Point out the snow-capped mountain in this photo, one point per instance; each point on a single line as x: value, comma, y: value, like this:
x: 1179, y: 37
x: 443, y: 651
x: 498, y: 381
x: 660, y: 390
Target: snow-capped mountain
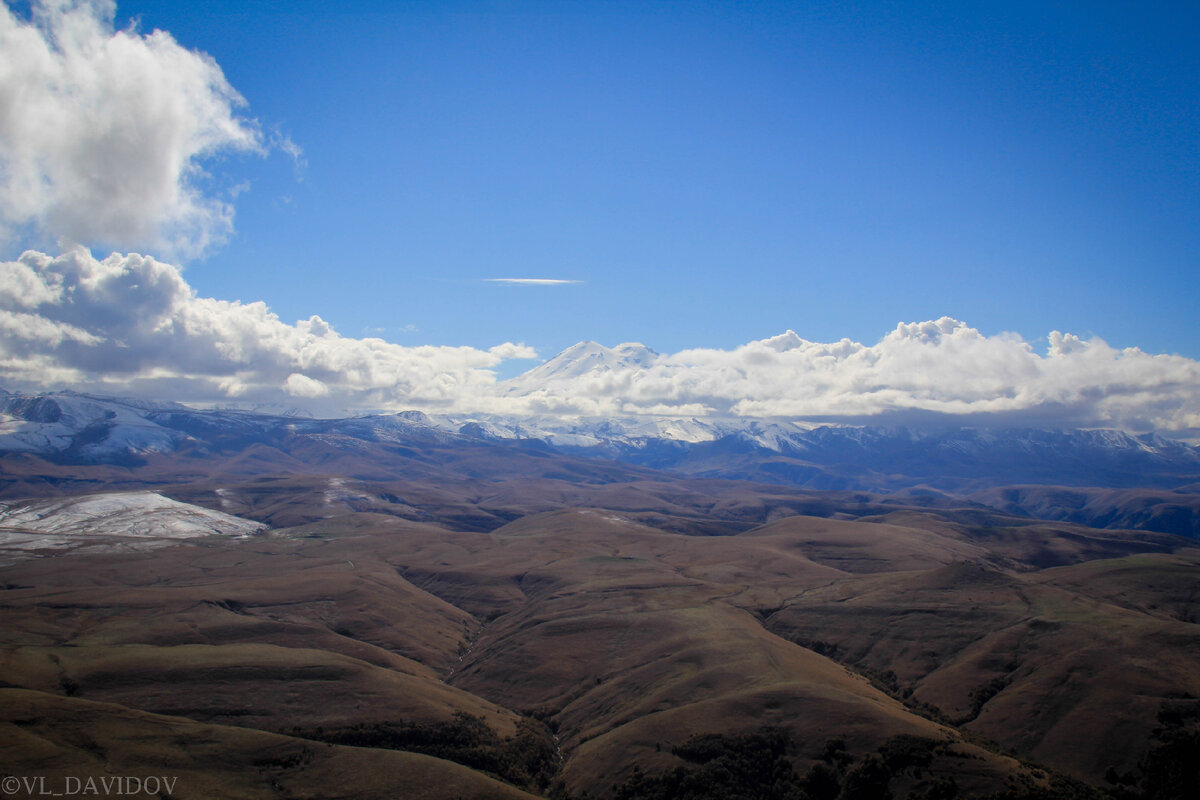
x: 626, y: 433
x: 75, y: 428
x: 585, y: 359
x: 153, y: 439
x: 85, y: 427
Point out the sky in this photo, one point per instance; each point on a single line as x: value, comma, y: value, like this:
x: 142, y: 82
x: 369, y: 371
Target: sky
x: 448, y: 193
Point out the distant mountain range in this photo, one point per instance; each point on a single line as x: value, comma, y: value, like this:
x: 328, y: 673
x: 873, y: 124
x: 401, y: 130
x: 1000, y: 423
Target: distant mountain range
x: 857, y: 457
x: 1115, y: 478
x: 591, y: 607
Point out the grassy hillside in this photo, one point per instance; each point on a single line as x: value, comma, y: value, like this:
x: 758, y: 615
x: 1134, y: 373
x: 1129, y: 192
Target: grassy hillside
x: 590, y: 650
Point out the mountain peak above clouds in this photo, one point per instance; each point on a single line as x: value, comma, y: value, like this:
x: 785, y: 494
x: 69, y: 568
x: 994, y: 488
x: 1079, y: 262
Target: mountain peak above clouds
x: 582, y: 359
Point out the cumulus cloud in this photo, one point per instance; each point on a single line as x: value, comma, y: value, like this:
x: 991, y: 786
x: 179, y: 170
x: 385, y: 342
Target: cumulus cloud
x: 132, y: 324
x: 299, y: 385
x: 103, y: 132
x: 925, y: 371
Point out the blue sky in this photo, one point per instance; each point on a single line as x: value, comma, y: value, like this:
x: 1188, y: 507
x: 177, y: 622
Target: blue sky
x: 967, y: 209
x: 713, y: 173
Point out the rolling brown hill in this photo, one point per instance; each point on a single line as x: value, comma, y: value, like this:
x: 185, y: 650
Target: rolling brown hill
x: 556, y: 633
x: 1176, y: 511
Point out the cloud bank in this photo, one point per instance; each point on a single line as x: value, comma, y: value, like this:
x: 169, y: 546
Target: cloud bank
x: 103, y: 132
x: 132, y: 325
x: 937, y: 371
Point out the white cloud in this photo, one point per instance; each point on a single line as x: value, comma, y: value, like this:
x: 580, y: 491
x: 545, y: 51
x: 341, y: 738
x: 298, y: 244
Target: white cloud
x: 131, y: 324
x: 103, y: 132
x: 531, y: 281
x: 509, y: 350
x: 941, y: 368
x: 299, y: 385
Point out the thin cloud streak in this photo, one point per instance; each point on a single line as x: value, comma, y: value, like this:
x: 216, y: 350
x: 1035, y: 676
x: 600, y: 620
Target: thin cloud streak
x: 531, y: 281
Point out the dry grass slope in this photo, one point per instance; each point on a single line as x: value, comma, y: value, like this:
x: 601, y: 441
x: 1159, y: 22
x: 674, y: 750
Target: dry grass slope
x: 626, y: 625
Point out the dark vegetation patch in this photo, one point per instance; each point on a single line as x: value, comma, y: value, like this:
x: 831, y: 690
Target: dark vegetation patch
x: 528, y: 759
x: 751, y: 766
x: 1170, y: 768
x: 1057, y: 787
x: 758, y: 766
x: 981, y: 695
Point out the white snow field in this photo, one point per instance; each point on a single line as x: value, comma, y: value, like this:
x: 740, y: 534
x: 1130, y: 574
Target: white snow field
x: 109, y: 521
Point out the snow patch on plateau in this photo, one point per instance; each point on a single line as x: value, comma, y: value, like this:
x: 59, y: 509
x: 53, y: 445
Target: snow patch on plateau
x: 109, y: 521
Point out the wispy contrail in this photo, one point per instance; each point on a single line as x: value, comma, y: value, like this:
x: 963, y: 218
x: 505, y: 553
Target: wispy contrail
x: 531, y: 281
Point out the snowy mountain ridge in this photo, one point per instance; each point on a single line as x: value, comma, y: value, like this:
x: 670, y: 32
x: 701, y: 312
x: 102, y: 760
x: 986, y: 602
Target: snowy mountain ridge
x: 84, y: 429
